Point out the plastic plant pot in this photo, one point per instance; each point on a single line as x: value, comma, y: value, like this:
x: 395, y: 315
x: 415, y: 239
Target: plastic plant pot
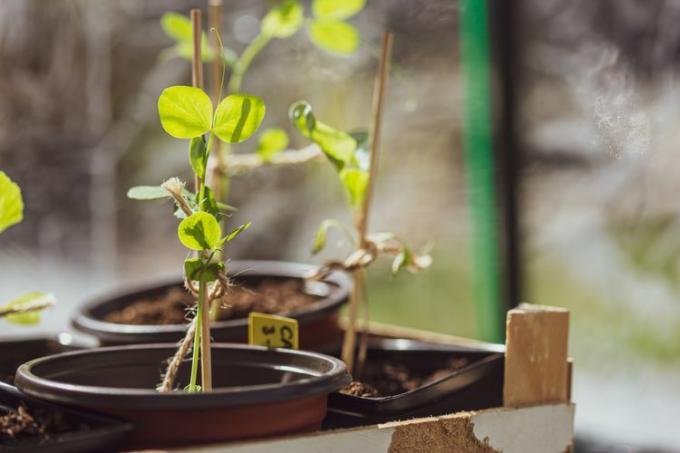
x: 102, y: 434
x: 14, y: 352
x: 476, y: 386
x: 258, y: 392
x: 318, y: 322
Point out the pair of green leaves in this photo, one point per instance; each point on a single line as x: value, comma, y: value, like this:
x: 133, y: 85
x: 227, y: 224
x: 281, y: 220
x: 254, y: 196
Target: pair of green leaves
x: 348, y: 152
x: 187, y: 112
x: 178, y: 27
x: 327, y: 28
x: 11, y: 203
x: 202, y: 232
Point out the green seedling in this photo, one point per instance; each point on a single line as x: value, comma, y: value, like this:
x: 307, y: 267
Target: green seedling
x: 26, y: 308
x: 188, y: 113
x: 356, y: 167
x: 350, y: 156
x: 326, y: 26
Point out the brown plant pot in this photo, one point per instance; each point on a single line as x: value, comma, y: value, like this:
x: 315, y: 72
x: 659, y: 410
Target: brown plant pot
x: 318, y: 322
x: 258, y: 392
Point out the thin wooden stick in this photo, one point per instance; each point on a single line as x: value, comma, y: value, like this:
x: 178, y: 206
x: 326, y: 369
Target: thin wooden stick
x: 196, y: 63
x: 215, y: 21
x: 362, y: 219
x: 197, y: 81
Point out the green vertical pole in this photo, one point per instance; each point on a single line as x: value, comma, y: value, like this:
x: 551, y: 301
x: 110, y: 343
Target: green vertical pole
x: 479, y: 168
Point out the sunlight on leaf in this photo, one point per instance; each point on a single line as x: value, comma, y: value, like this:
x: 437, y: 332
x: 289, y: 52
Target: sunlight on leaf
x: 11, y: 203
x: 185, y: 112
x: 271, y: 142
x: 337, y: 9
x: 200, y: 231
x: 238, y: 116
x: 334, y: 36
x: 284, y: 20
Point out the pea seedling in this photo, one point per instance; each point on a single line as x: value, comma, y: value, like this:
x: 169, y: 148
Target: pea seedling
x: 355, y: 159
x: 327, y: 28
x: 26, y: 308
x: 187, y: 113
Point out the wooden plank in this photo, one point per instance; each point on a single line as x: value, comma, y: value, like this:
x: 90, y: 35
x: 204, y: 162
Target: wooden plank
x: 537, y: 429
x: 536, y: 369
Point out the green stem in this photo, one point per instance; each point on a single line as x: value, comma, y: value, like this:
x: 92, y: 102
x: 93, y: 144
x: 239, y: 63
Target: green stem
x: 242, y: 64
x: 193, y: 386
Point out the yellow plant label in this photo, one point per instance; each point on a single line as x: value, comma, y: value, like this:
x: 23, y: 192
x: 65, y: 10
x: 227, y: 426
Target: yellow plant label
x: 272, y: 331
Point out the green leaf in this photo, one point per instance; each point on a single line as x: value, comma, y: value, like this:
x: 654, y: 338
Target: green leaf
x: 200, y: 231
x: 271, y: 142
x: 337, y: 9
x: 337, y: 145
x: 355, y: 182
x: 196, y: 270
x: 185, y: 112
x: 198, y: 156
x: 26, y: 301
x: 147, y: 193
x: 238, y: 116
x: 177, y: 26
x: 284, y: 20
x: 334, y: 36
x: 403, y: 260
x: 362, y: 153
x: 11, y: 203
x: 321, y: 233
x: 237, y: 231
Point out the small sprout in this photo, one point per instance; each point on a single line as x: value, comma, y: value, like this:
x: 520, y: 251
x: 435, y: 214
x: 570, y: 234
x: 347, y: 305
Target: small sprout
x: 11, y: 203
x: 271, y: 142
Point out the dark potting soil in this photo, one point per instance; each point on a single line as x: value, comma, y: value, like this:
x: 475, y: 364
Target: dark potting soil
x: 269, y: 295
x: 22, y: 425
x: 382, y: 378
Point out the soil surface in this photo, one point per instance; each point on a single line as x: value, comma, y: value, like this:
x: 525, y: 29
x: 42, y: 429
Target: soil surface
x: 21, y: 425
x: 269, y: 295
x: 387, y: 378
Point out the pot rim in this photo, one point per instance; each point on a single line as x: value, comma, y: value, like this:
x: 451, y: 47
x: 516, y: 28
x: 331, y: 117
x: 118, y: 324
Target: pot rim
x: 86, y: 321
x: 90, y: 395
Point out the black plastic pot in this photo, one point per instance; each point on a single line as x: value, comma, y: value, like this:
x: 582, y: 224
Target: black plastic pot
x: 258, y: 392
x: 479, y: 385
x: 103, y: 434
x: 14, y: 352
x: 318, y: 322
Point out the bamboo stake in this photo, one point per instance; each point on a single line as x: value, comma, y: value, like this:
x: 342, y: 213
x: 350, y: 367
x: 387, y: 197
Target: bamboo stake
x: 215, y: 21
x: 197, y: 81
x: 379, y: 90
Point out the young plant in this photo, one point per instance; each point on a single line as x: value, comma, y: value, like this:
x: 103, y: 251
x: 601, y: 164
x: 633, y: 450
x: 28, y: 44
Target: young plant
x: 327, y: 29
x: 187, y: 113
x: 26, y: 308
x: 349, y: 153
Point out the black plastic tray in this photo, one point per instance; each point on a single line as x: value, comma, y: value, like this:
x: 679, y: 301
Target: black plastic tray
x: 474, y: 387
x: 104, y: 434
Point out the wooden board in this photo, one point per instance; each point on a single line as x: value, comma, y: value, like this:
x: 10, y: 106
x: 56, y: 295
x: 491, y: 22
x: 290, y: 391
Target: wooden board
x: 538, y: 429
x: 536, y: 368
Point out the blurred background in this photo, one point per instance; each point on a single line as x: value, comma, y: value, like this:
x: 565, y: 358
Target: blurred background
x: 588, y: 94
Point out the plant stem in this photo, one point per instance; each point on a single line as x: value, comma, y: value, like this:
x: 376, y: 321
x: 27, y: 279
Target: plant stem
x: 196, y: 62
x: 206, y: 358
x: 196, y: 353
x: 242, y: 64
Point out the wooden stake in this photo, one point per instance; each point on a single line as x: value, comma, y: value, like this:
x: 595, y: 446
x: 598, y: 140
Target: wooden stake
x: 215, y: 21
x: 197, y: 81
x: 362, y: 219
x: 536, y: 367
